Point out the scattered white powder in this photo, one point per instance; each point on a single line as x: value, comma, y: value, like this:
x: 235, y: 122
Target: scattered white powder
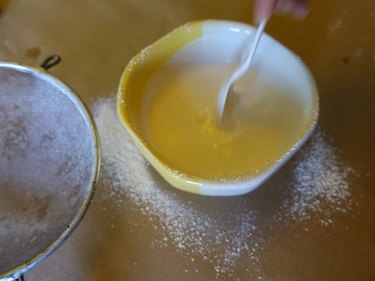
x: 319, y: 186
x: 338, y: 24
x: 359, y: 53
x: 126, y: 172
x: 319, y: 189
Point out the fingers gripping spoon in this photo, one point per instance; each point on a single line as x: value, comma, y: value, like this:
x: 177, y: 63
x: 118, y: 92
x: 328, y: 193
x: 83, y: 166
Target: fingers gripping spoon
x: 243, y: 67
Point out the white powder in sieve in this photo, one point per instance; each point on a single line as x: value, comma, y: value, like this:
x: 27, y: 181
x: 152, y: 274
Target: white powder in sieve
x: 318, y: 180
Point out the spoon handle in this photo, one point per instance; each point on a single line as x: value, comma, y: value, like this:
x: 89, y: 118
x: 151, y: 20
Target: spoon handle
x: 244, y: 66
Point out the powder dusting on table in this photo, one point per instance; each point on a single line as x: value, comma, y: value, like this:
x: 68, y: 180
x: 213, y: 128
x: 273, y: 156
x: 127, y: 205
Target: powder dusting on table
x: 318, y: 180
x: 319, y: 186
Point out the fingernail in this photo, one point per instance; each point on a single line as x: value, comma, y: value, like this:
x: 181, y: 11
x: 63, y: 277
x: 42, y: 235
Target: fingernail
x: 301, y: 11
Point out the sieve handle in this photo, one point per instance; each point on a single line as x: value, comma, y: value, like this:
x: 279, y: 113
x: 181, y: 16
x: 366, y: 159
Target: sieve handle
x: 50, y: 61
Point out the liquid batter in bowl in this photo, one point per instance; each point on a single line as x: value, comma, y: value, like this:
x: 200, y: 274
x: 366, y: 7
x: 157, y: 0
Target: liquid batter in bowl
x: 179, y: 120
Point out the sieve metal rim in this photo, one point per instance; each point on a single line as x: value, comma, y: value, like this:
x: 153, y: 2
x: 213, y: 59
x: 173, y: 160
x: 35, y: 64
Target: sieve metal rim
x: 41, y: 73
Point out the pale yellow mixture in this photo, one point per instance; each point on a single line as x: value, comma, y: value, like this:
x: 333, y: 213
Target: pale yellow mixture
x: 179, y: 120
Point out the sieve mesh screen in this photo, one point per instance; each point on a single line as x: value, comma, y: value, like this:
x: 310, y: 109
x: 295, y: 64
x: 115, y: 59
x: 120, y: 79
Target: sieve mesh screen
x: 47, y: 164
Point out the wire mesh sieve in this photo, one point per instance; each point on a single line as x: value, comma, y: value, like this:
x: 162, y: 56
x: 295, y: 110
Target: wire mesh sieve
x: 49, y: 160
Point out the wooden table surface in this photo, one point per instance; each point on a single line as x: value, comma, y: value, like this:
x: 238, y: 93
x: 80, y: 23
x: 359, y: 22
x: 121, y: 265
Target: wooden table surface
x: 96, y: 39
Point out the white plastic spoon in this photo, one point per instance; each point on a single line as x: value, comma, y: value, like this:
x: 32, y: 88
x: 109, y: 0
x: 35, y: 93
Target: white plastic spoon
x: 244, y: 66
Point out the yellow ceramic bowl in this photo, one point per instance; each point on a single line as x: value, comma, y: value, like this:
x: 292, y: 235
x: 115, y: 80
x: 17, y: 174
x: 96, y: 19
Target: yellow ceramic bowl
x: 221, y: 40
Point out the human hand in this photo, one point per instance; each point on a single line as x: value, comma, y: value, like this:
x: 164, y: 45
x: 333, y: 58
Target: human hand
x: 265, y: 8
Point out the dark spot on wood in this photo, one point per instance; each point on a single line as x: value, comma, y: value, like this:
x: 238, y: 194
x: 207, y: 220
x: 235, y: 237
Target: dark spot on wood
x: 33, y: 53
x: 345, y: 60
